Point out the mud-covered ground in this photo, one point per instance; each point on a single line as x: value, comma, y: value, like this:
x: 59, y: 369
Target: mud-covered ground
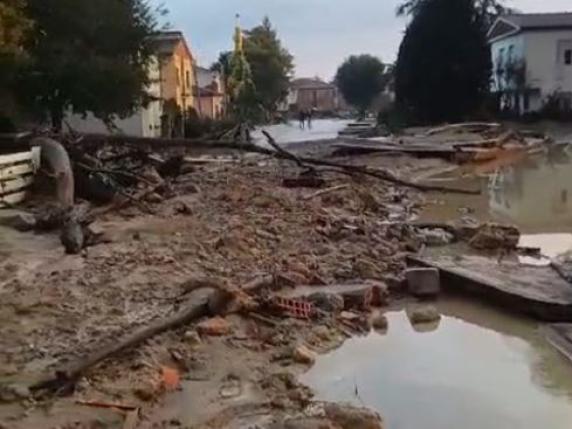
x: 232, y: 222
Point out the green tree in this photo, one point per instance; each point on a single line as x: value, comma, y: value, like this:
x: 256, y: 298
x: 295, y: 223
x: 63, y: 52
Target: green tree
x: 444, y: 66
x: 87, y: 56
x: 360, y: 79
x: 271, y: 65
x: 488, y: 10
x: 14, y: 26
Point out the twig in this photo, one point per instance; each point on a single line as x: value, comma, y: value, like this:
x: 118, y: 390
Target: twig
x: 117, y: 172
x: 325, y: 191
x: 98, y: 404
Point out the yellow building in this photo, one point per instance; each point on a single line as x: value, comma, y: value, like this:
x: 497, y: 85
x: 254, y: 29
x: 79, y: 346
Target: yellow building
x: 177, y: 80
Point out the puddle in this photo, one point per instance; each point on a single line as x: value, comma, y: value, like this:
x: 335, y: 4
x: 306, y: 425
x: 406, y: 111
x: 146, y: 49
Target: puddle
x: 291, y: 132
x: 534, y: 194
x: 477, y: 369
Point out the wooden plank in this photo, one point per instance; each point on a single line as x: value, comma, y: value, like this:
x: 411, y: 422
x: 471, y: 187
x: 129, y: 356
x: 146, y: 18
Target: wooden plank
x: 9, y: 186
x: 11, y: 199
x: 537, y: 291
x: 15, y: 171
x: 16, y: 157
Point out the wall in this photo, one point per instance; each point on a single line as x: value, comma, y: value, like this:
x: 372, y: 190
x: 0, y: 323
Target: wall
x: 323, y: 99
x: 144, y: 123
x: 517, y: 43
x: 545, y: 65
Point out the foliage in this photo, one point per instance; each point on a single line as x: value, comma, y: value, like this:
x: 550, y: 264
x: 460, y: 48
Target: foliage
x: 360, y: 79
x: 14, y: 26
x: 487, y: 10
x: 444, y: 66
x: 87, y: 56
x: 271, y: 65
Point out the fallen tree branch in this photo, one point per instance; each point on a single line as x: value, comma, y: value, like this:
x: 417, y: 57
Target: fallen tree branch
x: 469, y: 126
x: 282, y: 151
x: 325, y: 191
x: 65, y: 378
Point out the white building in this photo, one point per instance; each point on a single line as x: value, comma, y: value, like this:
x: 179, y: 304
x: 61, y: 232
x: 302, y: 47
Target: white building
x: 144, y: 123
x: 532, y: 60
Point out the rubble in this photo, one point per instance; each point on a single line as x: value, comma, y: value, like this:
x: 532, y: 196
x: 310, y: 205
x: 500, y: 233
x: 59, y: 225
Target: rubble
x: 304, y: 355
x: 423, y: 282
x: 216, y: 326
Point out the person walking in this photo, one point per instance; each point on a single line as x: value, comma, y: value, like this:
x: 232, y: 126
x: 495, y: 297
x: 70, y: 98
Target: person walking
x: 302, y: 118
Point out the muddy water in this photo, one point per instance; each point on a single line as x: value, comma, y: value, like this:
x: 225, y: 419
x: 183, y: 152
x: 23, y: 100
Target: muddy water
x: 476, y: 369
x: 534, y: 193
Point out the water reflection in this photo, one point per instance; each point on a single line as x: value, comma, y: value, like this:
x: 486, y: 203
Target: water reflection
x: 478, y: 369
x: 536, y: 192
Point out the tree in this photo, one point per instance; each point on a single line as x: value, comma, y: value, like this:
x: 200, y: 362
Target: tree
x: 360, y: 79
x: 271, y: 65
x: 444, y: 66
x: 87, y: 56
x: 14, y: 26
x: 488, y: 10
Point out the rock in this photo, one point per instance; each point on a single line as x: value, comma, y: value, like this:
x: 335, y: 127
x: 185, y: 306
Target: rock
x: 20, y: 221
x: 423, y: 314
x: 72, y: 237
x: 436, y: 237
x: 348, y: 417
x: 330, y: 302
x: 380, y: 322
x: 13, y: 393
x: 192, y: 337
x: 303, y: 354
x: 215, y: 326
x: 183, y: 208
x: 322, y: 332
x: 423, y: 282
x: 492, y: 236
x: 395, y: 283
x: 145, y: 392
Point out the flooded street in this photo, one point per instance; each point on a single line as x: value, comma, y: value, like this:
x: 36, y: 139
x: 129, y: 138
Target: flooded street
x: 477, y: 369
x: 534, y: 194
x: 291, y: 132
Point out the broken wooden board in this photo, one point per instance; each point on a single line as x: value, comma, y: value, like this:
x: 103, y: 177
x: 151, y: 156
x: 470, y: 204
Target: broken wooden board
x: 537, y: 291
x: 16, y: 175
x: 559, y: 335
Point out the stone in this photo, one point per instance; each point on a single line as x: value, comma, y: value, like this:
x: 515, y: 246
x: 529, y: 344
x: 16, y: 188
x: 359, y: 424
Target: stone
x: 216, y: 326
x: 20, y: 221
x: 349, y: 417
x: 380, y: 293
x: 329, y: 302
x: 380, y: 322
x: 304, y: 355
x: 192, y: 337
x: 423, y: 282
x: 423, y: 314
x: 436, y: 237
x: 145, y: 392
x: 13, y: 393
x: 395, y: 283
x: 322, y: 332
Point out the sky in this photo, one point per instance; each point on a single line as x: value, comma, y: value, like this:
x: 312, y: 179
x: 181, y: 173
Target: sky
x: 319, y: 33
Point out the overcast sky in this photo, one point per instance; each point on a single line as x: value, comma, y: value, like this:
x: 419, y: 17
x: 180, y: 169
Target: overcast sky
x: 319, y: 33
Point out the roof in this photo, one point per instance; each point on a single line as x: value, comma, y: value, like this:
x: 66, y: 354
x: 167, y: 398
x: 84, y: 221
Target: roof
x: 165, y: 42
x: 509, y: 25
x: 310, y: 83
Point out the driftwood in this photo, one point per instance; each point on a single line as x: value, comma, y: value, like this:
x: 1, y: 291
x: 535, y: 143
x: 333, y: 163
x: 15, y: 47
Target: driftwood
x: 325, y: 191
x: 65, y: 378
x: 56, y: 157
x: 467, y: 126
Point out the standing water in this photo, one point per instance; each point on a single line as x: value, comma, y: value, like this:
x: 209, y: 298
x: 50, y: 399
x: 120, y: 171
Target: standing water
x: 291, y: 132
x: 477, y: 369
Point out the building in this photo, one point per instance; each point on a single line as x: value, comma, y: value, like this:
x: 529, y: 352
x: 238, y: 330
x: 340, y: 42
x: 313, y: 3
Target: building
x: 210, y: 93
x: 177, y: 79
x: 146, y: 122
x: 532, y: 61
x: 312, y: 93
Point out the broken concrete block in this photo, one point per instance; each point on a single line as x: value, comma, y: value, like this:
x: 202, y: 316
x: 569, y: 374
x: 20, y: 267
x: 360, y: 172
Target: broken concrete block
x: 192, y: 337
x: 303, y: 354
x: 216, y: 326
x: 349, y: 417
x: 423, y: 282
x: 423, y: 314
x: 380, y: 322
x: 329, y: 302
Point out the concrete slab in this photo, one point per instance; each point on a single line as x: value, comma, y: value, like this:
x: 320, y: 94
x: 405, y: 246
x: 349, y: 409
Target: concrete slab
x: 537, y: 291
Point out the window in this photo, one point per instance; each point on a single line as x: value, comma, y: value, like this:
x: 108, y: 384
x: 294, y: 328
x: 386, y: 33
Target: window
x: 188, y: 79
x: 568, y: 57
x: 510, y: 56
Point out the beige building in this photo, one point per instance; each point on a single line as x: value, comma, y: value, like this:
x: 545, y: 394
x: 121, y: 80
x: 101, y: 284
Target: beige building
x: 210, y: 93
x: 312, y: 93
